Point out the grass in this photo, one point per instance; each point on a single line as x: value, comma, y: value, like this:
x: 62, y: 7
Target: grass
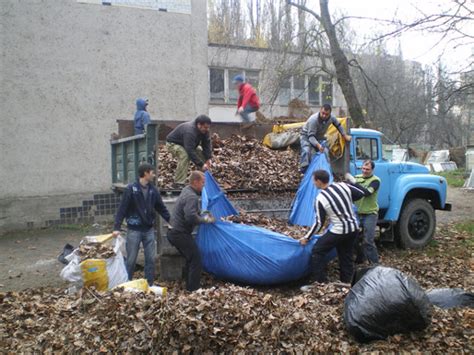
x: 467, y: 227
x: 73, y: 227
x: 454, y: 178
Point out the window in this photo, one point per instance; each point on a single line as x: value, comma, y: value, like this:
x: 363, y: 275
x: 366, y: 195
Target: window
x: 314, y: 91
x: 233, y: 92
x: 299, y: 88
x: 251, y: 76
x: 216, y: 80
x: 221, y: 87
x: 284, y: 95
x: 326, y: 90
x: 367, y: 148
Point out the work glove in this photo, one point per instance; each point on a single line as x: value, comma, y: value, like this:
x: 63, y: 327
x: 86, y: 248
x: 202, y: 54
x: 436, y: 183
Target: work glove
x: 208, y: 217
x: 349, y: 178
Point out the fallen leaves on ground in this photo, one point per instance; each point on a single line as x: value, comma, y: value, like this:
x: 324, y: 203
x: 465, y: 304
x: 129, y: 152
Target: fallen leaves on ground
x: 274, y: 224
x: 224, y: 317
x: 240, y: 162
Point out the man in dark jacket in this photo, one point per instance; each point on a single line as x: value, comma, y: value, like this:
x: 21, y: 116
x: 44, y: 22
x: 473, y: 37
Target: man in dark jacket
x: 138, y: 203
x: 186, y: 215
x: 142, y: 117
x: 248, y: 100
x: 183, y: 143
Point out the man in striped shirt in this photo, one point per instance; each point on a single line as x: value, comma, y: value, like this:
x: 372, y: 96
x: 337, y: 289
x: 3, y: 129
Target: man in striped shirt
x: 334, y: 202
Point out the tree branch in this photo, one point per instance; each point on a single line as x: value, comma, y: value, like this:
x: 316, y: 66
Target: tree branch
x: 304, y: 8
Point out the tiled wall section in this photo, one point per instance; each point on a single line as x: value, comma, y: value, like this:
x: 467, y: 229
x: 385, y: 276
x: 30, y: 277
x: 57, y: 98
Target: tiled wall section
x: 100, y: 205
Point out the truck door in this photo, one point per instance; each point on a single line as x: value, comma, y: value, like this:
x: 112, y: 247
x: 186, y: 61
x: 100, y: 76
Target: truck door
x: 371, y: 148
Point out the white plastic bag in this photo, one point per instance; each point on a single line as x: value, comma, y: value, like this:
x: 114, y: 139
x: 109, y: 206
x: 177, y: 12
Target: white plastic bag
x: 116, y: 271
x: 72, y: 271
x: 116, y: 265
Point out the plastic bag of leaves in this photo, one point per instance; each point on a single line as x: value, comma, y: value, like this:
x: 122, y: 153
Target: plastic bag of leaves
x: 115, y: 265
x: 384, y: 302
x: 281, y: 140
x: 451, y: 297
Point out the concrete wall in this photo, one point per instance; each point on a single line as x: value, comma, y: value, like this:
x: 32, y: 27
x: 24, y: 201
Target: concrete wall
x: 67, y: 72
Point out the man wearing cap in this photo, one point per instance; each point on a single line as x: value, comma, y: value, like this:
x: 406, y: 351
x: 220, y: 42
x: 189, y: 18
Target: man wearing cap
x: 142, y: 117
x: 248, y: 100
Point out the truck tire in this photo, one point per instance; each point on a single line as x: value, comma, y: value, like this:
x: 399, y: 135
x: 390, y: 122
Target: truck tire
x: 416, y: 225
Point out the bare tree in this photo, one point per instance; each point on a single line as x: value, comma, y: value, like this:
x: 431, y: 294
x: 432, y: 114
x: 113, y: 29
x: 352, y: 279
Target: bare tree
x: 227, y: 22
x: 339, y: 59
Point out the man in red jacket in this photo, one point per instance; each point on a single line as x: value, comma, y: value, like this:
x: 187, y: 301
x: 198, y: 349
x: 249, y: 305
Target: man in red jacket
x: 248, y: 99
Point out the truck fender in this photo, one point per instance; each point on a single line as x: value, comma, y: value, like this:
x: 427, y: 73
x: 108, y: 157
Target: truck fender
x: 416, y: 186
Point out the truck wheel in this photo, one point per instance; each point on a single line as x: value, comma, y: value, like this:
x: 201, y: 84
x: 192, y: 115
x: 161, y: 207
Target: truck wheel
x: 416, y: 225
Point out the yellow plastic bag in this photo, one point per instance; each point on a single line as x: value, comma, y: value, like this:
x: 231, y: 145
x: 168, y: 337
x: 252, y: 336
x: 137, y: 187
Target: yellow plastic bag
x: 140, y: 285
x: 94, y: 274
x: 335, y: 141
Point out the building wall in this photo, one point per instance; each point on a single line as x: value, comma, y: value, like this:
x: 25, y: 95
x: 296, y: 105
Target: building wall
x: 269, y: 63
x: 68, y: 71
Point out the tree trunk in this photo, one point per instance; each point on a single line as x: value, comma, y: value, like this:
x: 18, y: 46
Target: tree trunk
x: 342, y: 67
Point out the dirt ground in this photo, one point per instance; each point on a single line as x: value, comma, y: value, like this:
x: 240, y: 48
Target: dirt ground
x: 463, y: 206
x: 29, y: 258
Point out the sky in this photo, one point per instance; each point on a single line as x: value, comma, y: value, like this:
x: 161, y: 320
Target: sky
x: 421, y: 47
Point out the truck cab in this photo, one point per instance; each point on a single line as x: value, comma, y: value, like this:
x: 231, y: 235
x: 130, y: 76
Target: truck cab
x: 408, y: 195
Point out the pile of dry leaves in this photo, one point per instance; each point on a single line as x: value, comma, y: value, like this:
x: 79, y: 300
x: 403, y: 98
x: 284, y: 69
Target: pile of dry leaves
x: 223, y: 317
x: 95, y: 251
x: 273, y: 224
x: 242, y: 163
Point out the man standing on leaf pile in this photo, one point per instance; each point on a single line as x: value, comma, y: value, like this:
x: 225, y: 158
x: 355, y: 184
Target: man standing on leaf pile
x: 312, y: 136
x: 248, y: 100
x: 190, y: 141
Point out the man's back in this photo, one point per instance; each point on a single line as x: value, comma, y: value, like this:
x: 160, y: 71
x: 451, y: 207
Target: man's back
x: 177, y: 135
x: 185, y: 214
x: 337, y: 202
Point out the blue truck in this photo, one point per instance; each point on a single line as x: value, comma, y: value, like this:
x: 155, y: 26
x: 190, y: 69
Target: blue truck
x: 408, y: 194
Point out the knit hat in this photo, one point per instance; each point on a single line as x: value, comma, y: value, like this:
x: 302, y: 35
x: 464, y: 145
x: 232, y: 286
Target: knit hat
x: 237, y: 79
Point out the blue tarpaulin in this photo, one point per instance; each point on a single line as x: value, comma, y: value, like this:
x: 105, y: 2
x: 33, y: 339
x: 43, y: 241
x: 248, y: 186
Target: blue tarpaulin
x: 214, y: 200
x: 247, y: 254
x: 302, y: 207
x: 252, y: 255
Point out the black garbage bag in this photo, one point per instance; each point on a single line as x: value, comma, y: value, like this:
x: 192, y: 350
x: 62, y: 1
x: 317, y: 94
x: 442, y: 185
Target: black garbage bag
x: 384, y: 302
x: 68, y: 249
x: 451, y: 297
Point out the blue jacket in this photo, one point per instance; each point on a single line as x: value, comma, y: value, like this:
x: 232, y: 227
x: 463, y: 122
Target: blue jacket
x: 142, y: 117
x: 139, y: 213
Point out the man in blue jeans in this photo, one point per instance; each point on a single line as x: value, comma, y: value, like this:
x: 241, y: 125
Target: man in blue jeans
x: 139, y: 202
x: 248, y: 101
x: 368, y: 212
